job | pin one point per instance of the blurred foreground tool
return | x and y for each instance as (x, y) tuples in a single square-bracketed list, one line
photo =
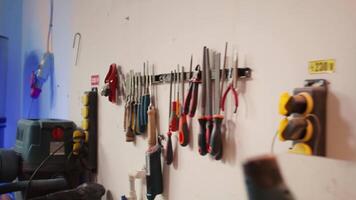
[(264, 180)]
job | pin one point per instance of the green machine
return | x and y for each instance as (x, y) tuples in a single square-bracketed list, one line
[(36, 139), (54, 158)]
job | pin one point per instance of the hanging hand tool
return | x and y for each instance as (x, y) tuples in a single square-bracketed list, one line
[(174, 121), (121, 93), (209, 117), (178, 110), (232, 87), (133, 104), (216, 137), (151, 114), (169, 148), (142, 93), (223, 73), (183, 125), (191, 100), (153, 159), (130, 136), (146, 97), (139, 113), (138, 105), (111, 81), (142, 112), (202, 120), (127, 99)]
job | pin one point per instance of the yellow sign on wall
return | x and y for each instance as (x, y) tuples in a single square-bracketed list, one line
[(322, 66)]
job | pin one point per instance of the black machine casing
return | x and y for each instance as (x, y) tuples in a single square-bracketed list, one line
[(38, 138)]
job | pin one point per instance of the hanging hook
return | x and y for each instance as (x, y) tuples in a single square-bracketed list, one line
[(79, 36)]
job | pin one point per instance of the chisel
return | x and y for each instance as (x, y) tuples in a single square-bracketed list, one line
[(202, 120)]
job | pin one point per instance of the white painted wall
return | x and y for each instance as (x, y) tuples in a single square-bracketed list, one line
[(275, 38), (10, 27)]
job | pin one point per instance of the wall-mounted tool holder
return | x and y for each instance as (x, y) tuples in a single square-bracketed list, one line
[(85, 139), (305, 118), (166, 78)]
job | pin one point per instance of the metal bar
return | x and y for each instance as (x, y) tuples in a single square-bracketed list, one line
[(243, 73)]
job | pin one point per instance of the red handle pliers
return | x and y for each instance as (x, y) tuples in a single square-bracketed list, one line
[(232, 87), (234, 93)]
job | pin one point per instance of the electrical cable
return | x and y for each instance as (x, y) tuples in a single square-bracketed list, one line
[(273, 142), (40, 166), (30, 108), (49, 36)]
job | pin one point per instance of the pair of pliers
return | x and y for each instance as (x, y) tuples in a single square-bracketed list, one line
[(191, 100), (232, 87)]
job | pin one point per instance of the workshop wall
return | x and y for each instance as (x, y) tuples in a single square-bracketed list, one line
[(10, 27), (275, 38)]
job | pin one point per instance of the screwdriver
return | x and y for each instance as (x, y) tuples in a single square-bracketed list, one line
[(130, 136), (134, 104), (142, 112), (127, 88), (183, 125), (202, 120), (139, 106), (169, 148), (146, 98), (173, 115)]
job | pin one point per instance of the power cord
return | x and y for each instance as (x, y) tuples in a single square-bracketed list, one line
[(40, 166), (273, 142)]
